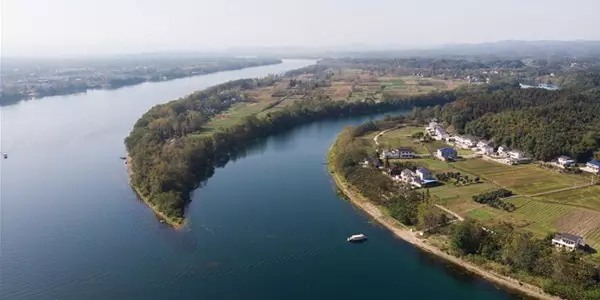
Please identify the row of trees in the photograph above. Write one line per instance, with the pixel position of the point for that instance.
(493, 199)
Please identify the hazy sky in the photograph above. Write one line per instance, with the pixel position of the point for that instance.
(55, 27)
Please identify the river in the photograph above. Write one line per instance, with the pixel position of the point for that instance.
(267, 226)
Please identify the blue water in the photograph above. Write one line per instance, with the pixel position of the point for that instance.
(267, 226)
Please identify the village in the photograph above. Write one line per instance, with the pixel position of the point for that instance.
(558, 197)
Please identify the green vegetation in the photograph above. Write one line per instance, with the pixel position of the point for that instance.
(493, 199)
(513, 240)
(175, 146)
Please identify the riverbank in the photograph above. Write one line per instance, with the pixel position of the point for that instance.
(175, 223)
(410, 236)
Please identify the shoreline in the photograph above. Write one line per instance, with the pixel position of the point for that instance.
(168, 220)
(402, 232)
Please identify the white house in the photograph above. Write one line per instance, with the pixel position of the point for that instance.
(388, 154)
(398, 153)
(446, 154)
(485, 147)
(424, 174)
(516, 154)
(565, 160)
(503, 150)
(568, 241)
(407, 175)
(594, 165)
(465, 142)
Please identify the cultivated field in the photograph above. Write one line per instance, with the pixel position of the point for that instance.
(522, 179)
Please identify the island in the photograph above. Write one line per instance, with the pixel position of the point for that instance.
(25, 79)
(503, 182)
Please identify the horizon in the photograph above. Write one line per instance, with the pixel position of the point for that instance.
(109, 27)
(308, 50)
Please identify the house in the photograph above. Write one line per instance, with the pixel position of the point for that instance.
(485, 147)
(567, 240)
(424, 174)
(565, 160)
(407, 175)
(516, 154)
(388, 154)
(446, 154)
(405, 153)
(503, 150)
(465, 142)
(594, 165)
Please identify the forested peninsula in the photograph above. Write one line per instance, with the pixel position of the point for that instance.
(177, 145)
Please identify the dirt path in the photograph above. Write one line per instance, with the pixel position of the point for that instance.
(560, 190)
(378, 135)
(406, 234)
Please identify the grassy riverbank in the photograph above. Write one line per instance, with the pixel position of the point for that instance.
(412, 237)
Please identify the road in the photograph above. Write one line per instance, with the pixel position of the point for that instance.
(378, 135)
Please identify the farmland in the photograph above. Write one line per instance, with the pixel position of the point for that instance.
(348, 85)
(522, 179)
(546, 201)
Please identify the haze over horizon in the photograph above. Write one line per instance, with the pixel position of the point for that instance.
(93, 27)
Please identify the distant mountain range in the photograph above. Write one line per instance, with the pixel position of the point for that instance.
(502, 48)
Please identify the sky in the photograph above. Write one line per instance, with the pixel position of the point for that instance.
(91, 27)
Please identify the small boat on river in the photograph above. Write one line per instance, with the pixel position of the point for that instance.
(357, 238)
(5, 156)
(123, 157)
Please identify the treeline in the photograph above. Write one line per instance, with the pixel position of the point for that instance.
(566, 274)
(168, 163)
(544, 124)
(493, 199)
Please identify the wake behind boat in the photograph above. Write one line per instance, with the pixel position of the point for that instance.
(357, 238)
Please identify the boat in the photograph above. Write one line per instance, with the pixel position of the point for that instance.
(5, 155)
(357, 238)
(123, 157)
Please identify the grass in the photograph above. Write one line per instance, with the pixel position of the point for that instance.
(522, 179)
(433, 146)
(588, 197)
(401, 137)
(483, 213)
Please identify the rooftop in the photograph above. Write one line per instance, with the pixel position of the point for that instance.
(595, 162)
(568, 237)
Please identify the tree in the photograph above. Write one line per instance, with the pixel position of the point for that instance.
(467, 237)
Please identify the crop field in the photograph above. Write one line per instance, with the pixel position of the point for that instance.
(588, 197)
(522, 179)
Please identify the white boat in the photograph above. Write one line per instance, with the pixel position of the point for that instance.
(357, 238)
